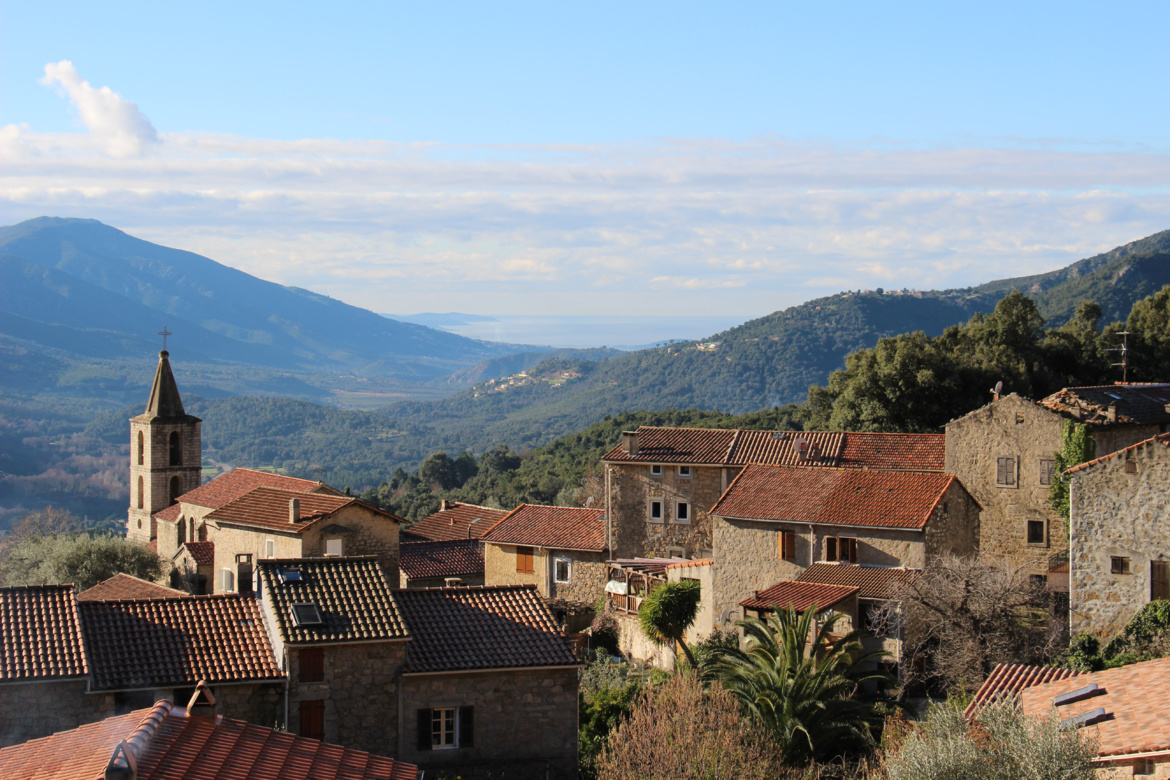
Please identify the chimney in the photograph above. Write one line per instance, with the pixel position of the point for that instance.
(1112, 412)
(443, 505)
(801, 449)
(294, 510)
(244, 574)
(202, 703)
(630, 442)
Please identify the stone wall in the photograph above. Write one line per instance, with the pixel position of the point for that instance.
(38, 709)
(588, 577)
(525, 723)
(359, 691)
(156, 470)
(707, 616)
(632, 488)
(633, 643)
(954, 526)
(499, 568)
(368, 533)
(1117, 514)
(232, 539)
(259, 703)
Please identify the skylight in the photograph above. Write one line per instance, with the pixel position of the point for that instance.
(306, 615)
(1085, 719)
(290, 575)
(1077, 695)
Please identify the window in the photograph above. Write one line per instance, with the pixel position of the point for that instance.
(525, 561)
(1005, 471)
(1144, 766)
(1159, 580)
(313, 719)
(175, 489)
(269, 548)
(444, 728)
(312, 664)
(141, 449)
(656, 470)
(655, 511)
(1046, 467)
(227, 580)
(563, 570)
(684, 472)
(306, 615)
(1130, 466)
(682, 512)
(141, 496)
(176, 449)
(871, 618)
(1118, 565)
(786, 545)
(840, 548)
(333, 547)
(1036, 533)
(676, 552)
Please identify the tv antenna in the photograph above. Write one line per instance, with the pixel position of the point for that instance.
(1124, 350)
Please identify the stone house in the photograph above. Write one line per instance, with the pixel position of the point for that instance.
(662, 482)
(453, 521)
(339, 636)
(561, 550)
(489, 688)
(776, 522)
(439, 563)
(1004, 454)
(801, 597)
(1120, 535)
(630, 579)
(168, 741)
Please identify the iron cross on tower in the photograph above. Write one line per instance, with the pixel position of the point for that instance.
(164, 333)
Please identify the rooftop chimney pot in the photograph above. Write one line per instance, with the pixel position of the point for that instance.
(630, 442)
(294, 510)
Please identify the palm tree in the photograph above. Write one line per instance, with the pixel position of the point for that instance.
(801, 692)
(668, 611)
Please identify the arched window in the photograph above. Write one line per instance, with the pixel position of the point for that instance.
(141, 493)
(175, 489)
(176, 449)
(141, 449)
(182, 531)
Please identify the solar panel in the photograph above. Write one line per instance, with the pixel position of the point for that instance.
(306, 615)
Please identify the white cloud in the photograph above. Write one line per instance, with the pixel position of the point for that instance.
(114, 122)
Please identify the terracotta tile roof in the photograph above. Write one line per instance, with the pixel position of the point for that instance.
(1136, 700)
(872, 582)
(801, 596)
(653, 566)
(1136, 404)
(203, 553)
(1163, 439)
(497, 627)
(170, 514)
(1011, 680)
(873, 499)
(228, 487)
(351, 596)
(555, 527)
(269, 508)
(731, 447)
(441, 559)
(124, 586)
(40, 634)
(694, 562)
(162, 643)
(169, 744)
(457, 521)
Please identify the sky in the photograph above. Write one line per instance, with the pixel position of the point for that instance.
(602, 158)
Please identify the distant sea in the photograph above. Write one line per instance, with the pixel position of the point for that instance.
(633, 332)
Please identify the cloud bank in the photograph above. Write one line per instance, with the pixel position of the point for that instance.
(669, 226)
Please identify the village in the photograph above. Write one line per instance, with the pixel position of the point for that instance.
(454, 646)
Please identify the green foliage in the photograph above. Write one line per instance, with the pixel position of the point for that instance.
(1149, 322)
(1145, 637)
(1076, 447)
(83, 560)
(668, 611)
(714, 644)
(606, 695)
(802, 693)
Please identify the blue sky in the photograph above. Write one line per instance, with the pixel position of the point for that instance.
(599, 158)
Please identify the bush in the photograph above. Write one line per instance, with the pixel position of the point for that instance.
(1146, 636)
(83, 560)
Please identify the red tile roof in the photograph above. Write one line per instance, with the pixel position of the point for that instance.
(851, 497)
(40, 634)
(457, 521)
(162, 643)
(124, 586)
(269, 508)
(228, 487)
(801, 596)
(693, 562)
(170, 514)
(351, 595)
(498, 627)
(1136, 700)
(1135, 404)
(203, 553)
(1163, 439)
(731, 447)
(421, 560)
(555, 527)
(168, 744)
(1011, 680)
(872, 582)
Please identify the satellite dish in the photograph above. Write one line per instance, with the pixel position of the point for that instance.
(998, 388)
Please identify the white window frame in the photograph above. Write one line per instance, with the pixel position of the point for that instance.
(568, 569)
(684, 472)
(340, 548)
(676, 552)
(269, 548)
(440, 715)
(656, 469)
(227, 580)
(677, 513)
(661, 516)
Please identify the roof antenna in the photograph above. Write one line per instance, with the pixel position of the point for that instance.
(997, 390)
(1124, 350)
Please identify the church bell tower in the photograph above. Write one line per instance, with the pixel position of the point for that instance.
(166, 456)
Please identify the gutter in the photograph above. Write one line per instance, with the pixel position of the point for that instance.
(495, 669)
(826, 525)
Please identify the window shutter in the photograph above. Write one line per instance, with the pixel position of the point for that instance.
(830, 548)
(424, 729)
(466, 726)
(850, 551)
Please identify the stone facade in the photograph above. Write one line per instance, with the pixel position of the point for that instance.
(588, 572)
(38, 709)
(633, 487)
(259, 703)
(154, 475)
(1120, 534)
(525, 723)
